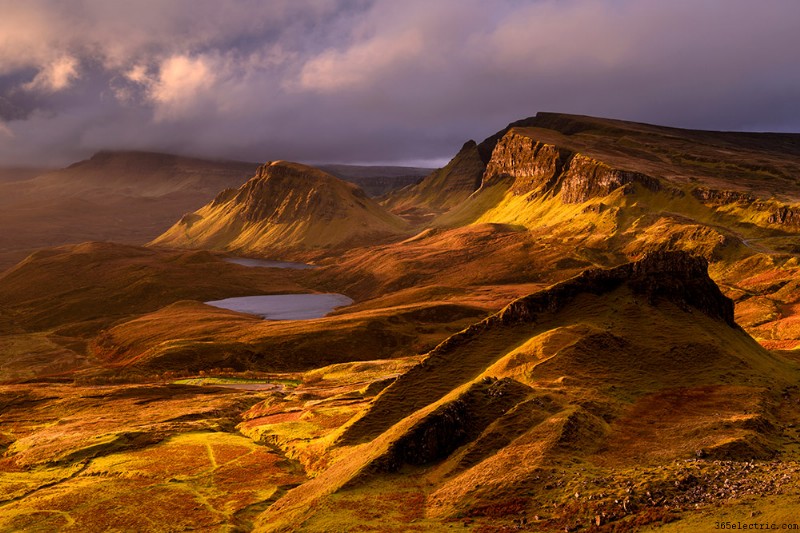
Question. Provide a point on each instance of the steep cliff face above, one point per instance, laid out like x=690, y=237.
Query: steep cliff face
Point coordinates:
x=285, y=208
x=532, y=164
x=587, y=178
x=786, y=216
x=537, y=165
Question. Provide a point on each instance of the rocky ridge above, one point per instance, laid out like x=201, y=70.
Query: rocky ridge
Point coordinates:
x=674, y=276
x=538, y=166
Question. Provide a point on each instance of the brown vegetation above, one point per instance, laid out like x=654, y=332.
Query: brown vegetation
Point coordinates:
x=566, y=327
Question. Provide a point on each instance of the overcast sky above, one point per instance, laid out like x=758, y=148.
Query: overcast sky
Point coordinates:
x=377, y=81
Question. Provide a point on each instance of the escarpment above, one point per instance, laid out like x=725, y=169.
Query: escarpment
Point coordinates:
x=542, y=167
x=781, y=215
x=674, y=277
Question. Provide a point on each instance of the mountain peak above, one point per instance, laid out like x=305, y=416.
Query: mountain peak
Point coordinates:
x=284, y=206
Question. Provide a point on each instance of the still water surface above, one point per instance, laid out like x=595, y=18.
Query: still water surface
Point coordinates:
x=263, y=263
x=285, y=306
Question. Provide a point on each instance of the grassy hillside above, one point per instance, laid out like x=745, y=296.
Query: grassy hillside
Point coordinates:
x=441, y=189
x=555, y=405
x=55, y=301
x=286, y=208
x=612, y=190
x=578, y=324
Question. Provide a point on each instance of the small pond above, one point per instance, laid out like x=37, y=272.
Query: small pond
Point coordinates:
x=285, y=306
x=264, y=263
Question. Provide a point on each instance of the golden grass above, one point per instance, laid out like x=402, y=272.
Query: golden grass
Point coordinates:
x=191, y=336
x=308, y=209
x=168, y=449
x=623, y=383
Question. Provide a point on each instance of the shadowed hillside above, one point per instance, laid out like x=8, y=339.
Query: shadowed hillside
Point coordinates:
x=128, y=197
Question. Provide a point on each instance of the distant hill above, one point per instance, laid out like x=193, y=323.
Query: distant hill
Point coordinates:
x=377, y=180
x=128, y=197
x=132, y=197
x=21, y=173
x=286, y=208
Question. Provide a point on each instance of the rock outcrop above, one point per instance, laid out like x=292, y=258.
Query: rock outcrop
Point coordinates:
x=716, y=197
x=548, y=168
x=676, y=277
x=785, y=216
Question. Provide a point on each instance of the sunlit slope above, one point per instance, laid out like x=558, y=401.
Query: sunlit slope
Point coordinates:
x=449, y=186
x=285, y=208
x=458, y=261
x=443, y=188
x=539, y=177
x=167, y=456
x=611, y=191
x=637, y=366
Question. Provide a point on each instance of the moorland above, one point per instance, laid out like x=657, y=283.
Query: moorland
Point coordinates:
x=576, y=324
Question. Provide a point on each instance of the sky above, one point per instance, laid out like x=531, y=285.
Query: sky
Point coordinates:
x=377, y=81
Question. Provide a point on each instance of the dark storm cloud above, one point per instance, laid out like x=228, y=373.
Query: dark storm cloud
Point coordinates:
x=377, y=81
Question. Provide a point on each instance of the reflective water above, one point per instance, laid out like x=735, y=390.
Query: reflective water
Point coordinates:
x=263, y=263
x=285, y=306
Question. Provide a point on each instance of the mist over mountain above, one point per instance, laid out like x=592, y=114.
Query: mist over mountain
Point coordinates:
x=278, y=80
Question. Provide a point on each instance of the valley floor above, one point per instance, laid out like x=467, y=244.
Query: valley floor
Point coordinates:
x=213, y=457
